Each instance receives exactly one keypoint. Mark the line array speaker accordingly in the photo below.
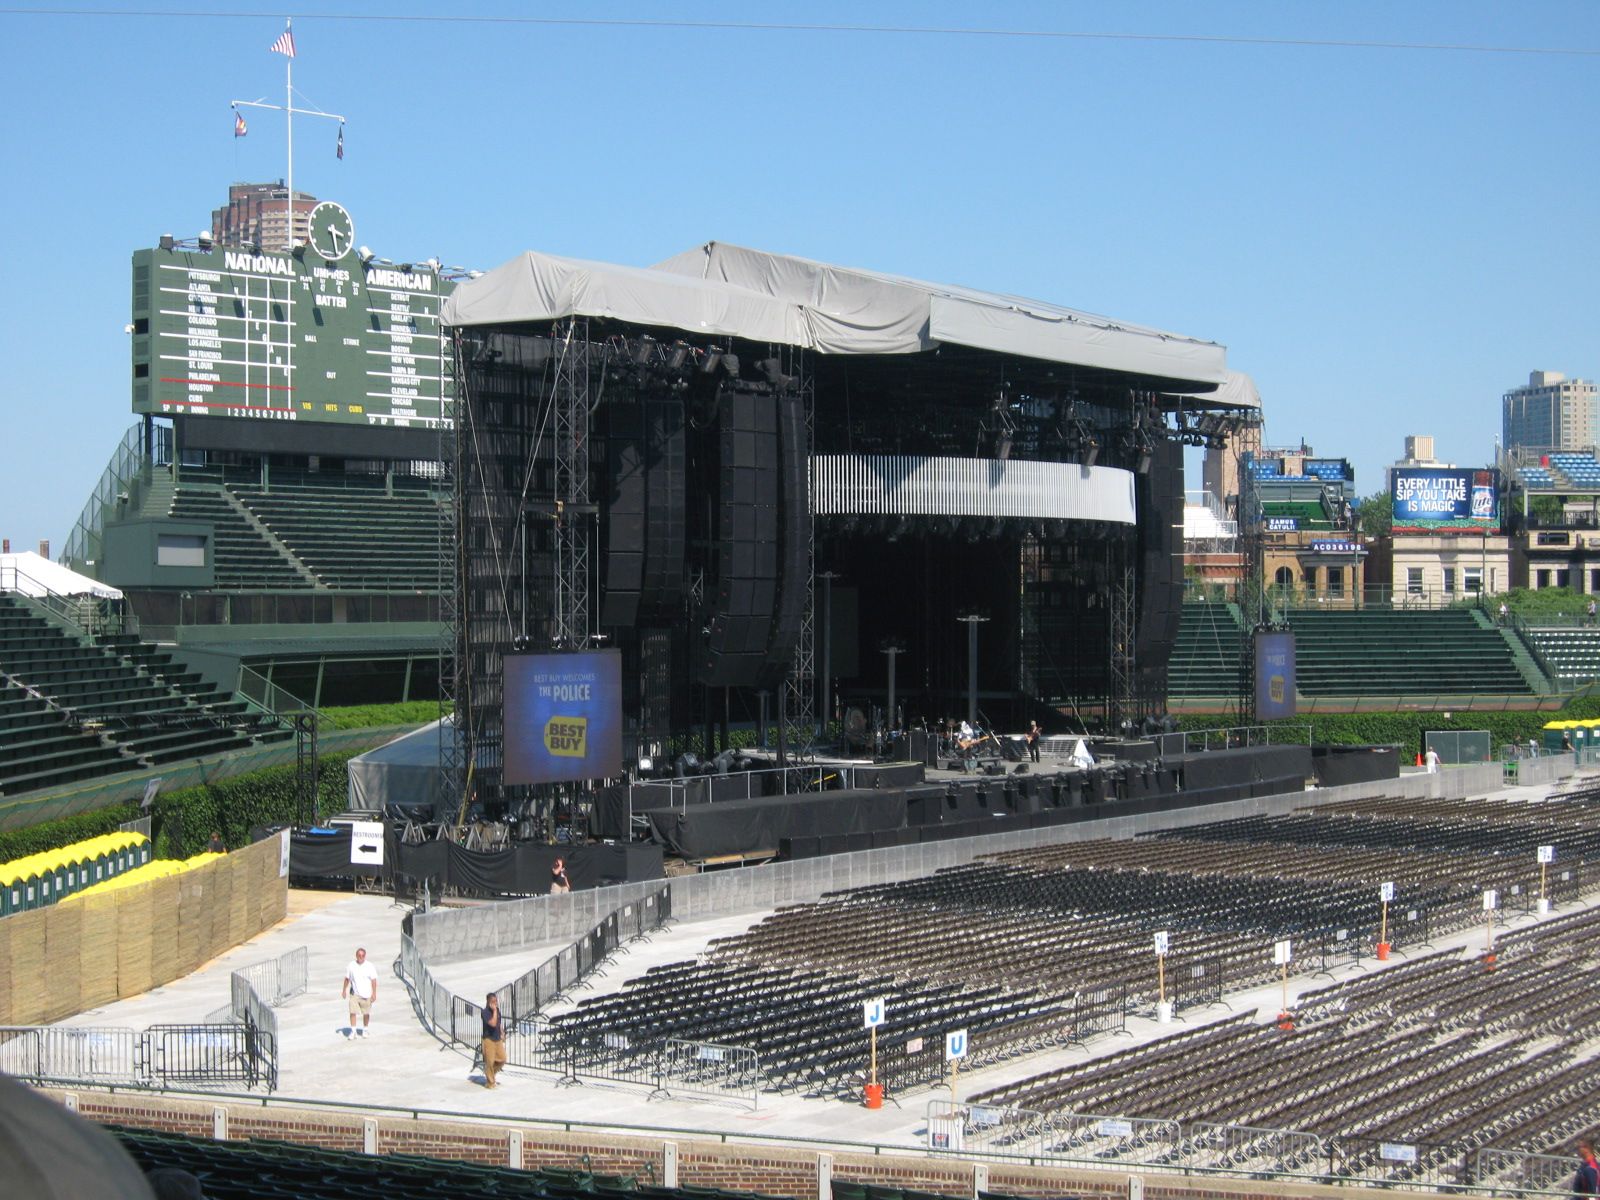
(742, 596)
(642, 571)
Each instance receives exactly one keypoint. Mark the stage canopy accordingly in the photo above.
(736, 292)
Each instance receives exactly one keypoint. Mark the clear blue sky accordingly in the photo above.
(1384, 238)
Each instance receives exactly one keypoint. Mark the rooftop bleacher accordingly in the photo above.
(1538, 478)
(1580, 469)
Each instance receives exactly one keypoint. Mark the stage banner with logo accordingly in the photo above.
(563, 716)
(1274, 675)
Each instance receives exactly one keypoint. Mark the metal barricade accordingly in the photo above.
(1102, 1011)
(1244, 1149)
(1515, 1173)
(1200, 986)
(88, 1054)
(278, 979)
(990, 1128)
(1110, 1141)
(710, 1071)
(206, 1055)
(1410, 1164)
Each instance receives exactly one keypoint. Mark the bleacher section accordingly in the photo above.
(1581, 470)
(242, 557)
(301, 530)
(1384, 652)
(73, 708)
(1573, 654)
(350, 533)
(1538, 479)
(1205, 659)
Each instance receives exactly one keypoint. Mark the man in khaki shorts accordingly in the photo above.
(360, 989)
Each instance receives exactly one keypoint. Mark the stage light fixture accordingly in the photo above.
(679, 355)
(708, 364)
(643, 350)
(730, 365)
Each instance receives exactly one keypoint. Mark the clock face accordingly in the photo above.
(333, 233)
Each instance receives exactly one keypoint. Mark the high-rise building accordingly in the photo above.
(257, 214)
(1551, 413)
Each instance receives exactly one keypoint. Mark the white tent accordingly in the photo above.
(34, 575)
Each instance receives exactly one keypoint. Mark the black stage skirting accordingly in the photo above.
(1335, 765)
(522, 870)
(757, 826)
(1000, 822)
(1247, 764)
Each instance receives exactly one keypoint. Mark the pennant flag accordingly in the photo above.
(285, 44)
(239, 127)
(338, 151)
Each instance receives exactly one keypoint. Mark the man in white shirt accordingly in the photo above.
(360, 989)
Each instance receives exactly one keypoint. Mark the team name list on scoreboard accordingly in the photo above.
(268, 336)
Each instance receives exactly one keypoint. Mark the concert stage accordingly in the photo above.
(796, 494)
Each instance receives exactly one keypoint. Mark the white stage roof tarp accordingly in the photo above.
(542, 287)
(854, 311)
(736, 292)
(34, 575)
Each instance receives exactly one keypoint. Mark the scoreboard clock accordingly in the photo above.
(319, 333)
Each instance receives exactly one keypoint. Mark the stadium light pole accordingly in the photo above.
(972, 621)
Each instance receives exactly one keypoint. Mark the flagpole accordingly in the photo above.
(288, 118)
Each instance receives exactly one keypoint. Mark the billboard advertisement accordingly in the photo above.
(1274, 675)
(563, 716)
(1445, 498)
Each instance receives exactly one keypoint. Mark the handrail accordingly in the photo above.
(267, 698)
(1520, 627)
(71, 609)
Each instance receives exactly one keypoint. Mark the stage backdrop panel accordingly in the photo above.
(563, 716)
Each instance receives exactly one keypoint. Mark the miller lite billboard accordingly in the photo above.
(1437, 498)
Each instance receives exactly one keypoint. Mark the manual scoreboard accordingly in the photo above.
(320, 333)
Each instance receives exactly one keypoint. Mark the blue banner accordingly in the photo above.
(563, 716)
(1274, 675)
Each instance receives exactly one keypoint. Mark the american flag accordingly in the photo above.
(285, 44)
(239, 127)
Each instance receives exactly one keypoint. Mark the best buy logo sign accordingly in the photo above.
(567, 737)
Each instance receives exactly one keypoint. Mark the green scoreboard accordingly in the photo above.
(317, 334)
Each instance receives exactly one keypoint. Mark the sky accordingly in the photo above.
(1385, 232)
